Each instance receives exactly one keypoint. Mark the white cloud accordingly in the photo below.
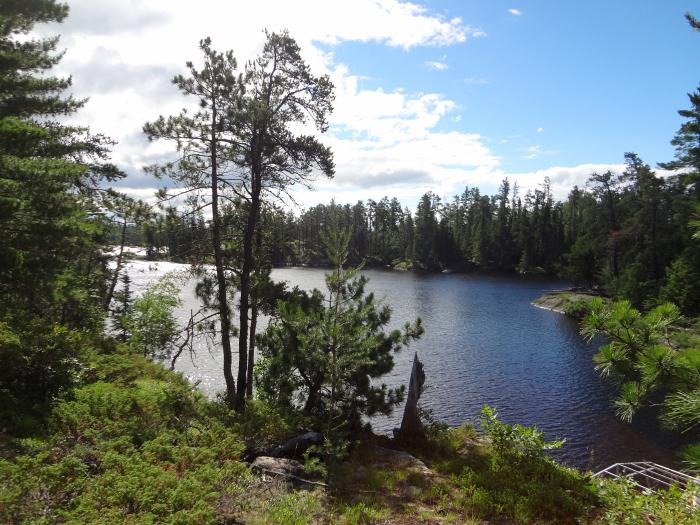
(562, 178)
(123, 53)
(436, 65)
(540, 130)
(515, 12)
(385, 141)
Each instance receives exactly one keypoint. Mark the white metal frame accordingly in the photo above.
(651, 477)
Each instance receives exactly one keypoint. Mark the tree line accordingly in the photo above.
(629, 235)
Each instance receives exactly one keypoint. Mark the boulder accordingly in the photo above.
(277, 466)
(398, 459)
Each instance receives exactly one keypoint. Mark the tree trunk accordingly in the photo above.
(246, 270)
(251, 345)
(219, 264)
(115, 277)
(253, 325)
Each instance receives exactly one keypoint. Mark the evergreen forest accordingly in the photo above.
(98, 426)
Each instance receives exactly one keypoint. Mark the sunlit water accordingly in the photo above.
(484, 343)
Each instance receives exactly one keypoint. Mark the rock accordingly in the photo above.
(398, 459)
(413, 492)
(267, 465)
(360, 473)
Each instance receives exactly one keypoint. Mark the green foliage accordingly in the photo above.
(632, 350)
(686, 140)
(683, 410)
(577, 309)
(695, 223)
(321, 359)
(261, 426)
(40, 363)
(682, 283)
(583, 264)
(293, 509)
(643, 358)
(141, 447)
(123, 309)
(624, 504)
(517, 439)
(505, 477)
(52, 271)
(362, 514)
(152, 322)
(691, 457)
(472, 482)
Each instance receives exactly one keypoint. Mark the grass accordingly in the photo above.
(468, 482)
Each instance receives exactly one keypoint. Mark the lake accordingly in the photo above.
(484, 343)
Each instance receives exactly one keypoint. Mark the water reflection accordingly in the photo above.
(484, 344)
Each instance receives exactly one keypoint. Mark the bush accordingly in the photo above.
(578, 309)
(143, 447)
(624, 504)
(151, 323)
(516, 440)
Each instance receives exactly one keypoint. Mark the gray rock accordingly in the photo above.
(413, 492)
(400, 459)
(277, 466)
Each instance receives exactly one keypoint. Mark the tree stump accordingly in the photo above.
(411, 426)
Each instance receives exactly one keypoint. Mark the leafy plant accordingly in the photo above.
(515, 439)
(152, 322)
(624, 504)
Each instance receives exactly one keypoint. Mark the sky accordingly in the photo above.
(431, 95)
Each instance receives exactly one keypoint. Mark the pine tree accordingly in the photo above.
(52, 271)
(280, 93)
(205, 145)
(425, 236)
(123, 308)
(321, 358)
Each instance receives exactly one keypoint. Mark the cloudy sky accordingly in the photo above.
(430, 95)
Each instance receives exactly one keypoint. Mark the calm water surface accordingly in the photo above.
(484, 343)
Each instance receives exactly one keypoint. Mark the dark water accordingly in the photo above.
(484, 343)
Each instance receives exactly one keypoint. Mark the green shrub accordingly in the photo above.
(151, 322)
(515, 439)
(578, 309)
(296, 508)
(142, 448)
(624, 504)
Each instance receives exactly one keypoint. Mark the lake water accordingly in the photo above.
(484, 343)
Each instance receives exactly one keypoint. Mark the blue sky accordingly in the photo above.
(431, 95)
(597, 78)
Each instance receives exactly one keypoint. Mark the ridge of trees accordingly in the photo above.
(630, 234)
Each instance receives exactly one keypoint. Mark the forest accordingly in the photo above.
(628, 235)
(96, 427)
